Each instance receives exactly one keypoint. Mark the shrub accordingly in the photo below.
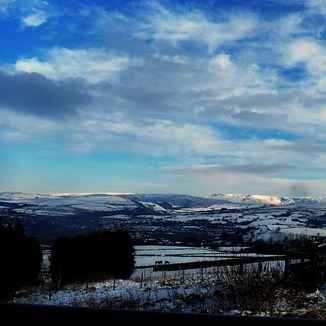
(93, 256)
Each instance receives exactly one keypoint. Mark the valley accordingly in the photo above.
(168, 219)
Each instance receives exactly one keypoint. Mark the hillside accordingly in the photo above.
(233, 219)
(203, 225)
(174, 200)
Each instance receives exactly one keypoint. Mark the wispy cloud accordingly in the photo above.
(180, 26)
(31, 13)
(92, 64)
(4, 5)
(316, 6)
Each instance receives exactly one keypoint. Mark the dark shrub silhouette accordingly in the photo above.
(20, 257)
(91, 257)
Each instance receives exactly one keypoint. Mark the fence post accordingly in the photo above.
(141, 279)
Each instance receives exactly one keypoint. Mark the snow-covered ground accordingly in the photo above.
(147, 256)
(222, 290)
(214, 290)
(200, 290)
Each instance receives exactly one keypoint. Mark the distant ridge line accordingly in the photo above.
(215, 200)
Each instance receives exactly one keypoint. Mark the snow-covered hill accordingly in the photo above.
(223, 200)
(247, 199)
(168, 218)
(156, 201)
(252, 199)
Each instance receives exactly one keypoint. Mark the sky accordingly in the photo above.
(191, 97)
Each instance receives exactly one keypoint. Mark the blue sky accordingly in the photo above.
(194, 97)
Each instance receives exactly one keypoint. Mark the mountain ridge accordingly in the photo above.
(183, 200)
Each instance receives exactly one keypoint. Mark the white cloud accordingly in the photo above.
(94, 65)
(36, 19)
(31, 13)
(316, 6)
(221, 61)
(228, 182)
(289, 25)
(302, 51)
(191, 168)
(178, 59)
(195, 26)
(34, 65)
(212, 178)
(24, 128)
(155, 137)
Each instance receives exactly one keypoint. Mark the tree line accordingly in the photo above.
(87, 257)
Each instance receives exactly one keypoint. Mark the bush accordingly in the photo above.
(92, 257)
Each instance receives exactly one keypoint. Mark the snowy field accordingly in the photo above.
(147, 256)
(174, 291)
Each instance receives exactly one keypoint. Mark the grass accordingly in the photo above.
(251, 289)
